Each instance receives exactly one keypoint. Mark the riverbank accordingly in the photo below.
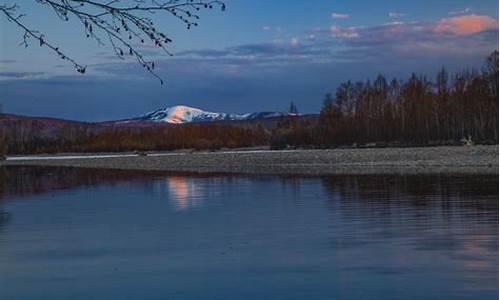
(426, 160)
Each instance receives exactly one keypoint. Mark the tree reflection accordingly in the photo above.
(4, 215)
(431, 213)
(472, 191)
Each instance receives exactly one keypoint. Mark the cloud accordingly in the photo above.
(463, 11)
(271, 28)
(294, 41)
(465, 25)
(396, 15)
(281, 50)
(349, 33)
(393, 32)
(442, 39)
(205, 53)
(21, 75)
(336, 15)
(466, 36)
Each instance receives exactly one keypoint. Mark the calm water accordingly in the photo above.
(84, 234)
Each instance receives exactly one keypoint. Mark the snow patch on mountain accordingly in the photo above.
(181, 114)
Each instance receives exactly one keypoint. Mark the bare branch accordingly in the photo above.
(123, 22)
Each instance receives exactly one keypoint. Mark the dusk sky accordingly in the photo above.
(255, 56)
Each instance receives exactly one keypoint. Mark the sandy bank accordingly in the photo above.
(429, 160)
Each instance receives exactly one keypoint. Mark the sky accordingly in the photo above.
(257, 55)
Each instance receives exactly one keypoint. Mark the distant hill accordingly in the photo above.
(41, 126)
(164, 117)
(182, 114)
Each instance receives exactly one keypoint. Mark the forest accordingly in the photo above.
(28, 137)
(450, 110)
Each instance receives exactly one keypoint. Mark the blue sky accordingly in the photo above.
(255, 56)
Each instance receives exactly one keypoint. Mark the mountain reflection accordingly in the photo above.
(184, 192)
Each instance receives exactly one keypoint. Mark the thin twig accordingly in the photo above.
(122, 21)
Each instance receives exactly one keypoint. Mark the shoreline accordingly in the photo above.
(422, 160)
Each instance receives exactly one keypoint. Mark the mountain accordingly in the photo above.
(182, 114)
(169, 116)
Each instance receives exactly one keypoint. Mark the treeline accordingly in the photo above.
(31, 138)
(412, 112)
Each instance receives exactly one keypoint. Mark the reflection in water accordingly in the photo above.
(4, 217)
(434, 193)
(476, 252)
(441, 214)
(96, 234)
(20, 181)
(184, 192)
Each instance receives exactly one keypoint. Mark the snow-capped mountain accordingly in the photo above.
(181, 114)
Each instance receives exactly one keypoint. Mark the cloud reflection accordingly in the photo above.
(478, 252)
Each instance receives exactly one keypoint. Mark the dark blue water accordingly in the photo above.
(84, 234)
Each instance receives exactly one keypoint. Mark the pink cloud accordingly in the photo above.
(465, 25)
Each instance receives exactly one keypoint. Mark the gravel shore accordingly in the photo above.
(427, 160)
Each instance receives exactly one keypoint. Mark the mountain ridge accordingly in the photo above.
(181, 114)
(169, 116)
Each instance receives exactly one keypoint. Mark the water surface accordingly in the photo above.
(92, 234)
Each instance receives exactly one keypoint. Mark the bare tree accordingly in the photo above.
(123, 23)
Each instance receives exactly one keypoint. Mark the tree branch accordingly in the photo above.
(122, 21)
